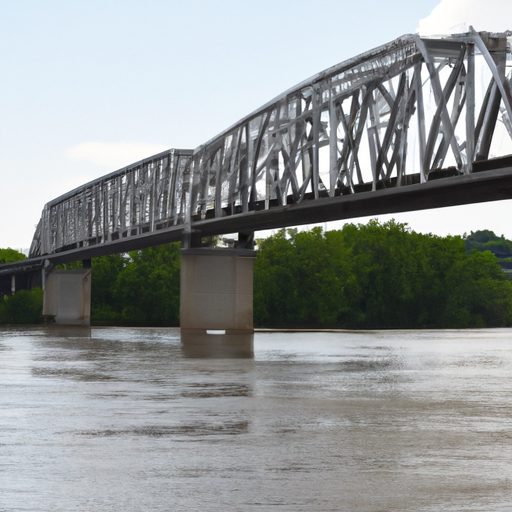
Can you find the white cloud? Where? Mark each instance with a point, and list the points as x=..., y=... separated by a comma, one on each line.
x=114, y=155
x=455, y=16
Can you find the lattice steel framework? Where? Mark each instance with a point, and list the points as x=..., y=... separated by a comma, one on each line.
x=407, y=112
x=146, y=196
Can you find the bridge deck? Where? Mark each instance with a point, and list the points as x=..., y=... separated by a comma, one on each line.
x=492, y=182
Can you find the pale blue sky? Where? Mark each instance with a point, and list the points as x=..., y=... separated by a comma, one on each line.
x=89, y=86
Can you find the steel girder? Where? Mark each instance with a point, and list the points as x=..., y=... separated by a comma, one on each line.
x=405, y=113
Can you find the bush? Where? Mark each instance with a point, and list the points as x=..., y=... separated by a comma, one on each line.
x=24, y=307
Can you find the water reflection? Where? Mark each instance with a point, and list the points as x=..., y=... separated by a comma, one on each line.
x=197, y=429
x=68, y=331
x=215, y=390
x=200, y=344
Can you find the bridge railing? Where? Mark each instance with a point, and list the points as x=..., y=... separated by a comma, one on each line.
x=407, y=112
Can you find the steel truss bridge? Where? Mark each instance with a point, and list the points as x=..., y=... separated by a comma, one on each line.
x=414, y=124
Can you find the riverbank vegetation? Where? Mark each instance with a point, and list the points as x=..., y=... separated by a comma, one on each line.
x=141, y=288
x=378, y=276
x=25, y=306
x=373, y=276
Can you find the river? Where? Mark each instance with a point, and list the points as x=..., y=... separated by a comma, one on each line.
x=331, y=421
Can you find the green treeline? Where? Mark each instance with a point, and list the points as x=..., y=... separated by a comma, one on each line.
x=373, y=276
x=377, y=276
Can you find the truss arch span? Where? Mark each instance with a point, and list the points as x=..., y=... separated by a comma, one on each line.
x=401, y=115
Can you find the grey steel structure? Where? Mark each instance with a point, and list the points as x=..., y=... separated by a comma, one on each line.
x=390, y=120
x=144, y=197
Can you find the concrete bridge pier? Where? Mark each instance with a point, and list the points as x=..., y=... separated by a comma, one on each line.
x=216, y=303
x=67, y=296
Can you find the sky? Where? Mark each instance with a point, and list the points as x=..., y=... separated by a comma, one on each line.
x=89, y=86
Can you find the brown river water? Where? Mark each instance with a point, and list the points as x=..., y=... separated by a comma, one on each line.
x=331, y=421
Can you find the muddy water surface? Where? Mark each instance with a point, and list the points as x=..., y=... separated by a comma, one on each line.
x=374, y=421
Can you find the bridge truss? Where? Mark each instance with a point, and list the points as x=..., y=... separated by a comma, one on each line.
x=403, y=114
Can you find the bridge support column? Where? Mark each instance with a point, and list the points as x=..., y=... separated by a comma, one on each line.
x=67, y=297
x=216, y=308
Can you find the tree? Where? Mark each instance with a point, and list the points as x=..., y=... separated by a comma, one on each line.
x=24, y=307
x=147, y=289
x=299, y=279
x=274, y=293
x=10, y=256
x=105, y=271
x=480, y=294
x=487, y=241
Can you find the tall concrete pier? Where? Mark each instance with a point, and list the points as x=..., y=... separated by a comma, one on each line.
x=216, y=303
x=67, y=297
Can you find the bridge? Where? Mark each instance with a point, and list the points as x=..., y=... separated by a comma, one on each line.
x=414, y=124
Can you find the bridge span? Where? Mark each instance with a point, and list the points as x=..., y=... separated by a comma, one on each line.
x=414, y=124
